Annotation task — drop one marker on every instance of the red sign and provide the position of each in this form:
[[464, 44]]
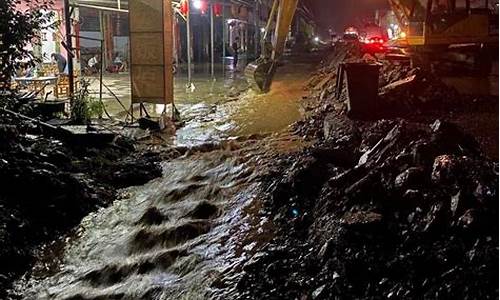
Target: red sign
[[184, 7], [217, 9]]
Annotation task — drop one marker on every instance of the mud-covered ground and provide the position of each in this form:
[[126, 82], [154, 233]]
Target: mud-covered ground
[[170, 237], [399, 207], [48, 186], [404, 207]]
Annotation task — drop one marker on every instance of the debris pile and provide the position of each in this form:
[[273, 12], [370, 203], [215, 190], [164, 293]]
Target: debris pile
[[394, 208], [404, 91], [418, 91], [408, 216], [49, 186]]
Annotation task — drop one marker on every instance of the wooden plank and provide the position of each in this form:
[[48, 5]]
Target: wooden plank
[[168, 51], [151, 47]]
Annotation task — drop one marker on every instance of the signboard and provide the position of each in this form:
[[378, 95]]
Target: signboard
[[151, 49]]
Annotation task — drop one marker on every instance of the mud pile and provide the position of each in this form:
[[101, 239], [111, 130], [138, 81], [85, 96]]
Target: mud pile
[[392, 209], [412, 90], [395, 208], [403, 90], [48, 186]]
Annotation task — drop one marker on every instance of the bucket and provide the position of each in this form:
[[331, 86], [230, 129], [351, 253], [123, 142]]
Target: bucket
[[362, 89]]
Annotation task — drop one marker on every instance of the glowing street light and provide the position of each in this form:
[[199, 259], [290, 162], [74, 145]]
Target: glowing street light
[[197, 4], [201, 5]]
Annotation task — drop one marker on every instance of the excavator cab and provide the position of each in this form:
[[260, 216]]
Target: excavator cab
[[446, 22], [456, 22], [260, 73]]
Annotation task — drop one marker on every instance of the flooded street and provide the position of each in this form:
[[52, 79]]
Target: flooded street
[[175, 236], [246, 114], [223, 107], [141, 159]]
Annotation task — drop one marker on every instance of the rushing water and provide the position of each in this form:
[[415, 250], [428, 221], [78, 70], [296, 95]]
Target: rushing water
[[175, 236], [171, 238]]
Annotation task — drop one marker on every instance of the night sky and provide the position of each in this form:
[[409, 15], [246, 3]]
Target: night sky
[[338, 14]]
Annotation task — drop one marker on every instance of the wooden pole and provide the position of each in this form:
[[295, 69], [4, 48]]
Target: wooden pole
[[69, 48], [212, 51]]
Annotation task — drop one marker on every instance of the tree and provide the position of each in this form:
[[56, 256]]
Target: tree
[[18, 29]]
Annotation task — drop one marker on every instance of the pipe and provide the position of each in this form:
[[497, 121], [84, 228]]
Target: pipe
[[101, 7], [69, 44], [188, 33], [101, 72], [223, 36]]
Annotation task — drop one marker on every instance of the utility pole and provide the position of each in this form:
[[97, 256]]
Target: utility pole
[[188, 33], [69, 47], [212, 52], [223, 35], [256, 16]]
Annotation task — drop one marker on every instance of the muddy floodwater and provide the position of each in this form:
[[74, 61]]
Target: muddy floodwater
[[245, 114], [221, 106], [173, 237]]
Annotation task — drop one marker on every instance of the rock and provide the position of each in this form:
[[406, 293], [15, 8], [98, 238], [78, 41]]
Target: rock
[[411, 178], [8, 134], [423, 153], [361, 219], [339, 156], [412, 198], [319, 292], [458, 203], [468, 220], [326, 249], [435, 218], [444, 169], [451, 139], [399, 86], [485, 193], [364, 187], [382, 149]]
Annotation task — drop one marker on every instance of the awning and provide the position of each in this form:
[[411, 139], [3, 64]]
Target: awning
[[122, 5]]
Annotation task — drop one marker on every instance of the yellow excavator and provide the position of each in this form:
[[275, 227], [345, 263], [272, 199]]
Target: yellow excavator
[[428, 25], [456, 31], [445, 22], [260, 72]]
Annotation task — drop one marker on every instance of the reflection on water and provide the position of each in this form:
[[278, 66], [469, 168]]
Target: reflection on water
[[223, 107], [246, 113], [175, 236], [171, 238]]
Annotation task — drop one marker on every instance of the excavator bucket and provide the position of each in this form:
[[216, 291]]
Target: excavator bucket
[[260, 73]]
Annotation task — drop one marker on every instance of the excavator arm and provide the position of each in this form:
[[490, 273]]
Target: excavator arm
[[408, 10], [260, 72]]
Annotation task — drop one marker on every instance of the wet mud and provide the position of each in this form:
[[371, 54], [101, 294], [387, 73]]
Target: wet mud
[[49, 186], [396, 208], [331, 208], [172, 237]]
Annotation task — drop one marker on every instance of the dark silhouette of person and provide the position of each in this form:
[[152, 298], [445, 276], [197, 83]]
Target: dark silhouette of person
[[60, 60], [235, 48]]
